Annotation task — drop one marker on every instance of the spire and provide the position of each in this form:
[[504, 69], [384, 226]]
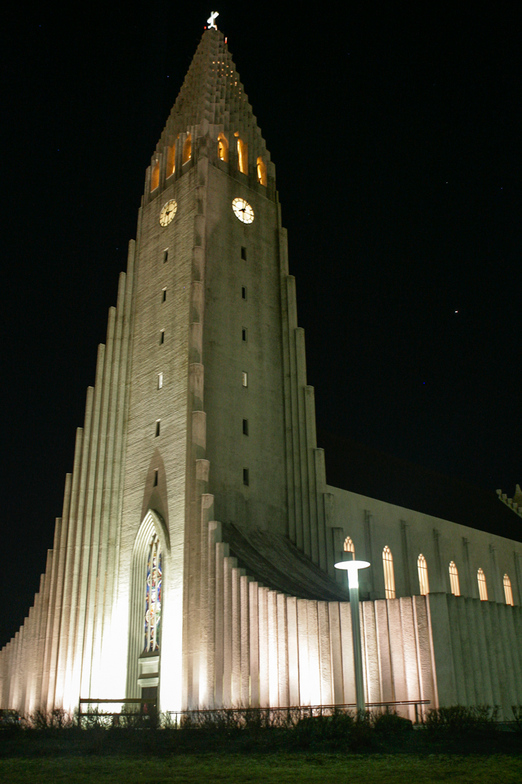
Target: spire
[[212, 91], [212, 102]]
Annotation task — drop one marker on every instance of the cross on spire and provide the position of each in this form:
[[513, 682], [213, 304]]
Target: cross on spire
[[211, 20]]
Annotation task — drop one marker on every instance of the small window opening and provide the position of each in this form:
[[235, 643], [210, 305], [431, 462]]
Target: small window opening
[[163, 295], [187, 149], [222, 147], [162, 337], [242, 154], [157, 427], [244, 379], [243, 253], [454, 579], [244, 335], [171, 160], [261, 171], [422, 568], [165, 255], [245, 427], [483, 589], [243, 292], [508, 592], [156, 472], [154, 177], [160, 380], [349, 547], [245, 477]]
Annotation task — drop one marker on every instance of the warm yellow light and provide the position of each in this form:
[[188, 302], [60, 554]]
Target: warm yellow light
[[154, 177]]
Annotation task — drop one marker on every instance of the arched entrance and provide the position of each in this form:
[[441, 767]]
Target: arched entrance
[[146, 604]]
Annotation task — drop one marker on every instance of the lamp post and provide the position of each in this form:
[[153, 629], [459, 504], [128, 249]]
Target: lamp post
[[352, 567]]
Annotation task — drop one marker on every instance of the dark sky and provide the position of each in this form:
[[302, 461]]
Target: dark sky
[[396, 137]]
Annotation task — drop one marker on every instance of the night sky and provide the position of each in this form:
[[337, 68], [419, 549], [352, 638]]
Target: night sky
[[396, 138]]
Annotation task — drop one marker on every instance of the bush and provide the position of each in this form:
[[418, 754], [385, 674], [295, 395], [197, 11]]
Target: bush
[[56, 719], [459, 720], [390, 723]]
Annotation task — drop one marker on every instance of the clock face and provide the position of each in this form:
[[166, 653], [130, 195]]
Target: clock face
[[242, 210], [168, 211]]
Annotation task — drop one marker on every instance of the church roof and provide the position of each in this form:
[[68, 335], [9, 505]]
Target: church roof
[[212, 92], [361, 469], [276, 563]]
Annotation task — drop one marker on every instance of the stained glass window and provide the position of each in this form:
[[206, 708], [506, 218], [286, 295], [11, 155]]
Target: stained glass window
[[153, 598]]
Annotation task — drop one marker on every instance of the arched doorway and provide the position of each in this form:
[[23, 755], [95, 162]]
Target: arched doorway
[[146, 605]]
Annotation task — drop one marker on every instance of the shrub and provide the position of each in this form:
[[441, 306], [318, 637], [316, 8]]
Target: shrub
[[390, 723], [459, 720], [56, 719]]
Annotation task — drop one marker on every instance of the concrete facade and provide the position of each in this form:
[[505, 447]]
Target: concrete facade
[[199, 435]]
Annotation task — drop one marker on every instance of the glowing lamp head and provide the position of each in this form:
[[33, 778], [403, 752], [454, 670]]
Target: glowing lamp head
[[352, 567]]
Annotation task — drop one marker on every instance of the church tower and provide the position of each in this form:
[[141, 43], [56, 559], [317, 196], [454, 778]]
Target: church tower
[[198, 442], [220, 421]]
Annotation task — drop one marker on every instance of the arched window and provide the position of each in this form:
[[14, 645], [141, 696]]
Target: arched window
[[261, 171], [508, 592], [171, 160], [153, 598], [389, 577], [187, 149], [154, 177], [422, 568], [242, 154], [454, 579], [349, 546], [222, 147], [483, 589]]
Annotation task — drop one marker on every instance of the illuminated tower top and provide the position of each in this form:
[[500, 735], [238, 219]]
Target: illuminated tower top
[[212, 102]]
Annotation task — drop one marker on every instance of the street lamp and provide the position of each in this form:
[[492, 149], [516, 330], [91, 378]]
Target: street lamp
[[352, 567]]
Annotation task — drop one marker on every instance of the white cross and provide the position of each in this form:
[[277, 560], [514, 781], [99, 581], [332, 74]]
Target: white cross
[[210, 21]]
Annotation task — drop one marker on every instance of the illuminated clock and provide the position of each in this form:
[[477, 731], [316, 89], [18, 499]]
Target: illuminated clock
[[168, 211], [242, 210]]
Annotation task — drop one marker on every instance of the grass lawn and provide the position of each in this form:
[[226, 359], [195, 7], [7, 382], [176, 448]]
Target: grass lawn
[[302, 768]]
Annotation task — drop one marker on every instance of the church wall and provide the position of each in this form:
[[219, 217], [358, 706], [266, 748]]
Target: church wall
[[477, 654], [299, 651], [226, 355], [372, 524], [68, 623], [156, 465]]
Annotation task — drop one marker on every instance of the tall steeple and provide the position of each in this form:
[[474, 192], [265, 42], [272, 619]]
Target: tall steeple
[[213, 97], [198, 450]]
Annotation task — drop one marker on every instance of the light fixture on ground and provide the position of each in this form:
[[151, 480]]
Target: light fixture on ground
[[352, 567]]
